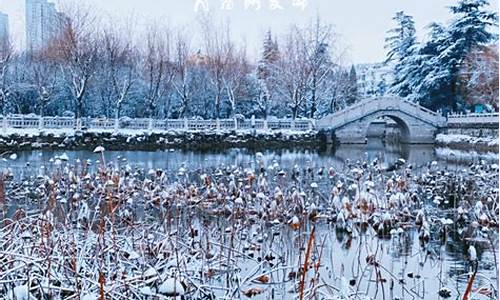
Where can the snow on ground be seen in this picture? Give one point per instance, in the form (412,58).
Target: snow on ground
(465,156)
(447,139)
(31,132)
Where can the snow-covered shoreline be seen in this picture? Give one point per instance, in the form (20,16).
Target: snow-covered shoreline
(206,139)
(138,140)
(463,141)
(457,155)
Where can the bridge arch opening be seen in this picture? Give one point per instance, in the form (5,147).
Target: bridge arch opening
(389,128)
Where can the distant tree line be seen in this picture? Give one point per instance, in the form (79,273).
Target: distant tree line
(96,70)
(456,67)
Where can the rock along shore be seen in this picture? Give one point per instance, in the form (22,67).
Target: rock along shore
(200,140)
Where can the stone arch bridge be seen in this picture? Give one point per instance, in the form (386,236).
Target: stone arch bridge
(417,124)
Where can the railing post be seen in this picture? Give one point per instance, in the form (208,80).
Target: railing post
(217,124)
(78,124)
(292,124)
(252,121)
(186,127)
(235,123)
(117,124)
(265,124)
(40,123)
(4,124)
(150,124)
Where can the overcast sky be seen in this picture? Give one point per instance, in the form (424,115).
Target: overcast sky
(362,24)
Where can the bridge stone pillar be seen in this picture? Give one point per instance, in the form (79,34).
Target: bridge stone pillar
(421,133)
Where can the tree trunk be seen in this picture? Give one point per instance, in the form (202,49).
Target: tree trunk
(42,108)
(118,110)
(313,98)
(78,112)
(217,105)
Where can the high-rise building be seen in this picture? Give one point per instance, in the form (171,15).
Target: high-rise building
(4,29)
(43,23)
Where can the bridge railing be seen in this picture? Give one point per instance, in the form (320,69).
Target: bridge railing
(368,106)
(420,107)
(474,118)
(33,122)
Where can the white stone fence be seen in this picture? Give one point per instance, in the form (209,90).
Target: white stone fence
(33,122)
(473,118)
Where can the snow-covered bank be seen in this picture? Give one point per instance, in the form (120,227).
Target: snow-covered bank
(462,141)
(136,140)
(456,155)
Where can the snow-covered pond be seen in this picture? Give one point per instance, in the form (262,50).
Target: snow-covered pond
(390,222)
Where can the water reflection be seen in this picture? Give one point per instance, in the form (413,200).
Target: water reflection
(386,153)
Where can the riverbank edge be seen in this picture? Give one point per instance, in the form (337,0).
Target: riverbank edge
(204,140)
(468,142)
(188,140)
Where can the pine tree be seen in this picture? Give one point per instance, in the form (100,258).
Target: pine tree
(401,45)
(448,48)
(270,55)
(352,87)
(401,38)
(426,89)
(266,71)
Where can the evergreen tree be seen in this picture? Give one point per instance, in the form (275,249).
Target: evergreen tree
(270,55)
(448,48)
(352,87)
(266,70)
(381,87)
(401,45)
(426,89)
(401,38)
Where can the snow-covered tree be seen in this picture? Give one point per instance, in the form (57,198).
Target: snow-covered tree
(429,73)
(235,77)
(183,66)
(447,49)
(479,77)
(401,45)
(318,40)
(119,67)
(340,91)
(470,29)
(401,38)
(294,72)
(156,68)
(267,72)
(43,72)
(219,50)
(77,52)
(352,87)
(309,57)
(6,58)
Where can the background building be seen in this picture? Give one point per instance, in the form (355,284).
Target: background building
(43,23)
(373,79)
